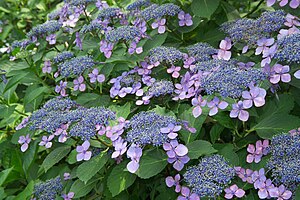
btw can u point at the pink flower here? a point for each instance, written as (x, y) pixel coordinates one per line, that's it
(160, 24)
(175, 71)
(83, 153)
(79, 84)
(234, 191)
(280, 73)
(24, 140)
(225, 46)
(185, 19)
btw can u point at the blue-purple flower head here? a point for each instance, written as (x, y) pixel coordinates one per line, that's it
(226, 78)
(80, 2)
(158, 12)
(48, 190)
(75, 66)
(44, 29)
(126, 33)
(63, 56)
(138, 4)
(210, 176)
(201, 51)
(251, 30)
(59, 104)
(164, 54)
(93, 26)
(288, 49)
(108, 13)
(21, 43)
(284, 160)
(160, 88)
(145, 128)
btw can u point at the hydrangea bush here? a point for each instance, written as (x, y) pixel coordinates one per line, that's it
(154, 100)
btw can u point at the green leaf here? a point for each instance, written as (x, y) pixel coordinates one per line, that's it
(55, 156)
(275, 117)
(92, 99)
(4, 174)
(119, 180)
(26, 193)
(2, 193)
(227, 150)
(199, 148)
(88, 169)
(154, 41)
(215, 132)
(72, 157)
(204, 8)
(121, 111)
(34, 94)
(151, 163)
(80, 189)
(14, 81)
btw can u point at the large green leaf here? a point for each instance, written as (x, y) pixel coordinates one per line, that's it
(80, 189)
(34, 94)
(199, 148)
(4, 174)
(14, 81)
(227, 150)
(151, 163)
(121, 111)
(55, 156)
(119, 180)
(205, 8)
(88, 169)
(26, 193)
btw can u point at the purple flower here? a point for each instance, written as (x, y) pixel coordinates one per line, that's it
(134, 153)
(258, 177)
(256, 95)
(215, 104)
(46, 141)
(238, 111)
(78, 84)
(171, 130)
(175, 71)
(67, 176)
(263, 45)
(120, 147)
(23, 123)
(188, 63)
(106, 48)
(234, 191)
(291, 20)
(244, 174)
(62, 132)
(264, 188)
(286, 32)
(223, 52)
(160, 24)
(185, 19)
(280, 73)
(68, 196)
(83, 153)
(177, 154)
(95, 76)
(294, 3)
(47, 67)
(61, 88)
(24, 140)
(255, 155)
(101, 4)
(134, 49)
(78, 41)
(268, 54)
(187, 195)
(280, 192)
(51, 39)
(198, 102)
(297, 74)
(170, 182)
(246, 66)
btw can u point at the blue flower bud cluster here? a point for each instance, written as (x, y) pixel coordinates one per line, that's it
(75, 66)
(284, 161)
(63, 56)
(58, 111)
(94, 25)
(250, 30)
(108, 13)
(227, 79)
(44, 29)
(21, 43)
(123, 33)
(201, 51)
(138, 4)
(165, 54)
(144, 128)
(160, 88)
(210, 176)
(288, 49)
(80, 2)
(158, 12)
(48, 190)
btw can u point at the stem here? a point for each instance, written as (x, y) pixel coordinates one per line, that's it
(256, 7)
(103, 142)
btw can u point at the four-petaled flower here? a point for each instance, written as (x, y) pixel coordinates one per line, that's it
(256, 95)
(174, 71)
(46, 141)
(234, 191)
(160, 24)
(61, 88)
(238, 111)
(280, 193)
(263, 45)
(106, 48)
(134, 153)
(223, 52)
(215, 104)
(171, 130)
(187, 195)
(95, 76)
(185, 19)
(280, 73)
(198, 103)
(177, 154)
(47, 67)
(24, 140)
(51, 39)
(83, 153)
(79, 84)
(170, 182)
(68, 196)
